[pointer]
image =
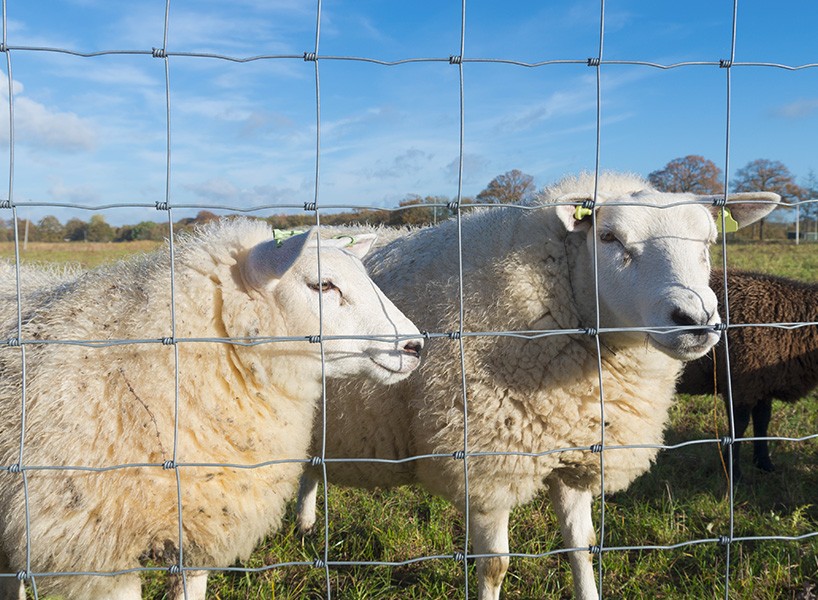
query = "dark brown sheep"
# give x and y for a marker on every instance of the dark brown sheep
(766, 362)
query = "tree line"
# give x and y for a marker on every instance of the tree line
(692, 173)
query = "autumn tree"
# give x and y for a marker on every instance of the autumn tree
(509, 188)
(416, 211)
(99, 230)
(693, 173)
(49, 229)
(76, 230)
(764, 175)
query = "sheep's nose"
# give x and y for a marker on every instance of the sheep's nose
(682, 318)
(413, 348)
(685, 319)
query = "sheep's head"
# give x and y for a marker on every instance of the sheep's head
(343, 302)
(654, 261)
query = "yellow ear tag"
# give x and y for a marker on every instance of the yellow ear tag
(581, 212)
(730, 224)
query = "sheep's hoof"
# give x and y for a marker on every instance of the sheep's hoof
(765, 464)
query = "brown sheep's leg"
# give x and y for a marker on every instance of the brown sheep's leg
(741, 416)
(10, 587)
(761, 419)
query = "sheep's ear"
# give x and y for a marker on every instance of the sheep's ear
(571, 212)
(269, 260)
(357, 245)
(745, 207)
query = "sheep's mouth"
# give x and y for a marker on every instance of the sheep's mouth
(686, 345)
(396, 362)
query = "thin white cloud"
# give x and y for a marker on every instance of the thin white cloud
(74, 194)
(410, 162)
(798, 109)
(222, 191)
(36, 124)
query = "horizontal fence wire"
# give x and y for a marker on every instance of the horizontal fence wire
(457, 210)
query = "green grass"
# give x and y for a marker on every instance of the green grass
(83, 254)
(679, 500)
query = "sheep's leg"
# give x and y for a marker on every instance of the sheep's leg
(573, 508)
(489, 532)
(11, 588)
(305, 506)
(121, 587)
(741, 418)
(195, 583)
(761, 420)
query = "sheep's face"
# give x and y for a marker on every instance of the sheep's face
(653, 262)
(376, 339)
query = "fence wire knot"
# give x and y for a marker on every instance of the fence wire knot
(453, 205)
(314, 339)
(318, 563)
(13, 342)
(163, 205)
(3, 48)
(310, 57)
(426, 334)
(459, 455)
(725, 63)
(719, 201)
(310, 206)
(724, 540)
(720, 326)
(15, 468)
(726, 441)
(168, 465)
(159, 53)
(5, 204)
(316, 461)
(455, 60)
(590, 331)
(174, 570)
(23, 575)
(168, 341)
(594, 62)
(596, 448)
(594, 549)
(459, 556)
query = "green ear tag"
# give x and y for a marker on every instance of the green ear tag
(279, 235)
(349, 237)
(581, 212)
(730, 224)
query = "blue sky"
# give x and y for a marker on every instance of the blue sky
(93, 130)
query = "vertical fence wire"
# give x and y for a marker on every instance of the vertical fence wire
(456, 207)
(596, 63)
(458, 214)
(730, 448)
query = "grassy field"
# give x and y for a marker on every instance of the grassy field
(682, 499)
(83, 254)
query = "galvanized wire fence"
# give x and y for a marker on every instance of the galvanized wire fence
(460, 61)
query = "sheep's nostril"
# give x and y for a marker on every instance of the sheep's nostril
(413, 349)
(682, 318)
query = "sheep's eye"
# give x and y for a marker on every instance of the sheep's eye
(607, 237)
(323, 287)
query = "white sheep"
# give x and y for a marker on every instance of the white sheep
(244, 401)
(531, 270)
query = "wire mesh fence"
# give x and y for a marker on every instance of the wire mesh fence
(26, 350)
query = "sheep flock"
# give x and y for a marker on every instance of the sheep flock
(555, 333)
